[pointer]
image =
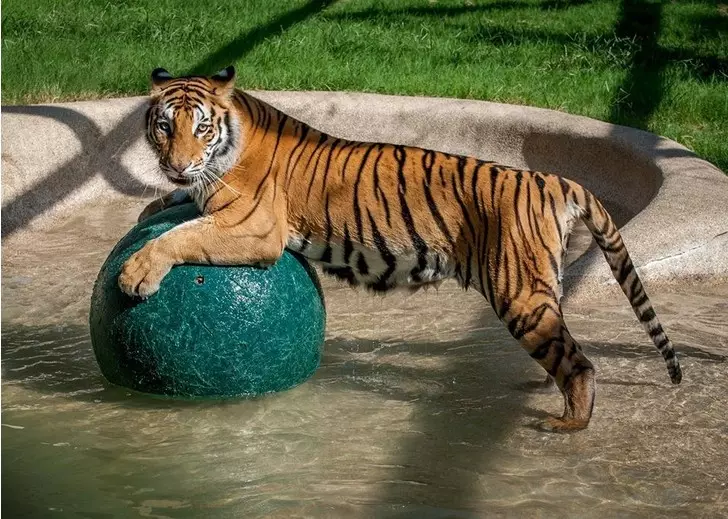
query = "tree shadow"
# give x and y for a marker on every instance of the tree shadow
(711, 26)
(100, 154)
(100, 151)
(455, 10)
(244, 43)
(636, 33)
(642, 90)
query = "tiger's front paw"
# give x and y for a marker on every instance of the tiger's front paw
(142, 273)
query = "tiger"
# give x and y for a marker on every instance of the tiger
(379, 216)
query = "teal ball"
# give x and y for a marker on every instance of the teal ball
(210, 331)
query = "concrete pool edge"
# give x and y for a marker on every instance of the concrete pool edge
(56, 158)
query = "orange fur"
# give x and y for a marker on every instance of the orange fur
(380, 215)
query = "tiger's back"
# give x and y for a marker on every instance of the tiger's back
(385, 216)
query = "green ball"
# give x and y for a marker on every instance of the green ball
(210, 331)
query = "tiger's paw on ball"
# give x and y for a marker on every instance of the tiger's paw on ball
(143, 272)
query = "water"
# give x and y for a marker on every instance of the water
(423, 407)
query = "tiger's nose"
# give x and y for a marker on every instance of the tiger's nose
(178, 167)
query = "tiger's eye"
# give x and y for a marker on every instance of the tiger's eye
(202, 128)
(164, 126)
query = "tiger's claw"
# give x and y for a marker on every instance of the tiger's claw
(143, 272)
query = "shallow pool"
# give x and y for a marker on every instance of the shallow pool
(423, 407)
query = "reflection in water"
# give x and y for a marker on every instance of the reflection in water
(423, 407)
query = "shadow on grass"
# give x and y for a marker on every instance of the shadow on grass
(640, 93)
(456, 10)
(636, 32)
(244, 43)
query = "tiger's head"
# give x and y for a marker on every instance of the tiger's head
(193, 126)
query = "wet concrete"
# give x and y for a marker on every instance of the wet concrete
(423, 407)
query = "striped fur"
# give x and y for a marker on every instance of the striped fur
(380, 216)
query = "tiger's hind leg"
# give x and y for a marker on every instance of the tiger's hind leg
(536, 321)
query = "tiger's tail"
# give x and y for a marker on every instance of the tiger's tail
(609, 239)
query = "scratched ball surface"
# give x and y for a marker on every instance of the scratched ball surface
(210, 331)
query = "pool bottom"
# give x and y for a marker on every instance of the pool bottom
(423, 407)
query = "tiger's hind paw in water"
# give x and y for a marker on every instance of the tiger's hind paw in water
(563, 425)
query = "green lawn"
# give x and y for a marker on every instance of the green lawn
(658, 65)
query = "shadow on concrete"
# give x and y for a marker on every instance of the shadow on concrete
(625, 183)
(100, 154)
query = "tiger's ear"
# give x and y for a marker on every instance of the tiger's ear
(160, 77)
(224, 81)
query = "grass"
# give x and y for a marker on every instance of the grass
(660, 65)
